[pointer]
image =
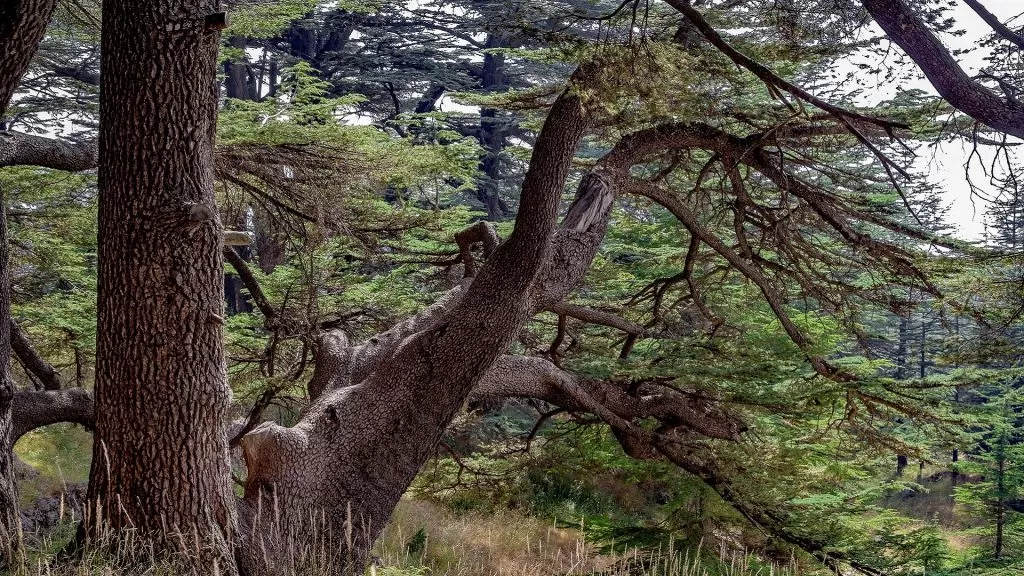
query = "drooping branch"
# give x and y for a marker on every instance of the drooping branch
(250, 283)
(33, 409)
(906, 28)
(749, 150)
(683, 418)
(997, 25)
(532, 377)
(32, 361)
(19, 149)
(770, 78)
(700, 462)
(751, 271)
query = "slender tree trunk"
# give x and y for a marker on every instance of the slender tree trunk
(22, 25)
(901, 349)
(236, 72)
(1000, 497)
(922, 358)
(10, 519)
(1000, 507)
(492, 132)
(160, 459)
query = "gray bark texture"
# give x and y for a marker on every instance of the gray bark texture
(19, 149)
(37, 408)
(160, 457)
(332, 480)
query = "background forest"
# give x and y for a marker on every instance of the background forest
(775, 283)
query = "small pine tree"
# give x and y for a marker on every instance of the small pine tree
(999, 461)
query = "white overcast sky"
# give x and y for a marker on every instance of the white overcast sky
(945, 161)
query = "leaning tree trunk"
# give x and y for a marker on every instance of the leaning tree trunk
(22, 25)
(160, 458)
(318, 494)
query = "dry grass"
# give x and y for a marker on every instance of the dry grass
(424, 539)
(421, 535)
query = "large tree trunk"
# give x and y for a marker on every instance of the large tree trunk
(22, 25)
(331, 481)
(160, 458)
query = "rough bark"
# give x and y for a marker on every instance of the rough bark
(160, 457)
(37, 408)
(680, 412)
(19, 149)
(10, 523)
(904, 27)
(22, 24)
(352, 476)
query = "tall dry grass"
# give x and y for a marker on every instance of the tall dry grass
(422, 539)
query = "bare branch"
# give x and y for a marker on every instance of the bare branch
(600, 317)
(751, 271)
(251, 284)
(767, 76)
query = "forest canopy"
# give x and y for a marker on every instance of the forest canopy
(678, 278)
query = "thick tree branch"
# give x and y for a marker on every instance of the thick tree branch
(600, 317)
(339, 364)
(37, 408)
(19, 149)
(904, 27)
(32, 361)
(532, 377)
(22, 25)
(997, 25)
(482, 233)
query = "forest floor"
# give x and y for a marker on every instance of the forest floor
(429, 538)
(423, 538)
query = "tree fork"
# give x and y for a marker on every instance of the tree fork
(338, 473)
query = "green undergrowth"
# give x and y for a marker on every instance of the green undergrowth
(60, 456)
